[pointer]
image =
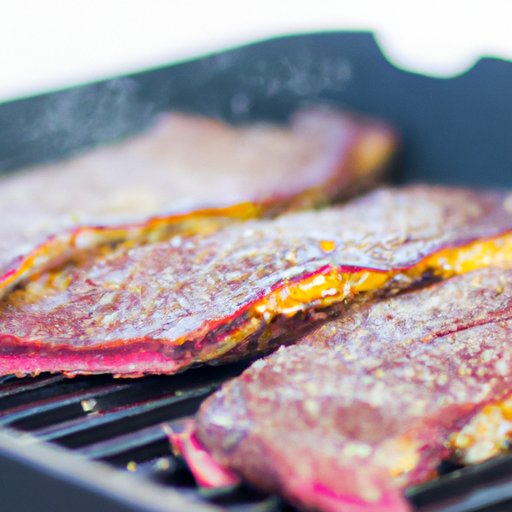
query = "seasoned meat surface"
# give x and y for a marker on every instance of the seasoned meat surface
(161, 307)
(364, 406)
(183, 164)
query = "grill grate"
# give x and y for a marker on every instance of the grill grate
(123, 423)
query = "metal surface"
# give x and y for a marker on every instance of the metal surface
(100, 444)
(110, 448)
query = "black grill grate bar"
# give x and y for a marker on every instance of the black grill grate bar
(15, 388)
(53, 391)
(16, 393)
(126, 442)
(457, 489)
(137, 392)
(31, 410)
(99, 418)
(114, 423)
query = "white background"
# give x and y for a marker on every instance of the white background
(47, 44)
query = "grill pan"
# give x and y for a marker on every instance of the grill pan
(98, 443)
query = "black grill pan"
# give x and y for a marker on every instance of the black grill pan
(100, 444)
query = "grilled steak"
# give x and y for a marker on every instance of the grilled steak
(161, 307)
(184, 163)
(364, 406)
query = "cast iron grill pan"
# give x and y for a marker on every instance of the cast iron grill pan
(98, 443)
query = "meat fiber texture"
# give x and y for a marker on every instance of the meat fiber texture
(162, 307)
(183, 164)
(363, 407)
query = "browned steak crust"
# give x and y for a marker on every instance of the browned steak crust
(182, 164)
(162, 307)
(363, 406)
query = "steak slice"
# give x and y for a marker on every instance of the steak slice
(161, 307)
(183, 164)
(364, 406)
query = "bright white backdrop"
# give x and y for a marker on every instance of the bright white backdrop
(47, 44)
